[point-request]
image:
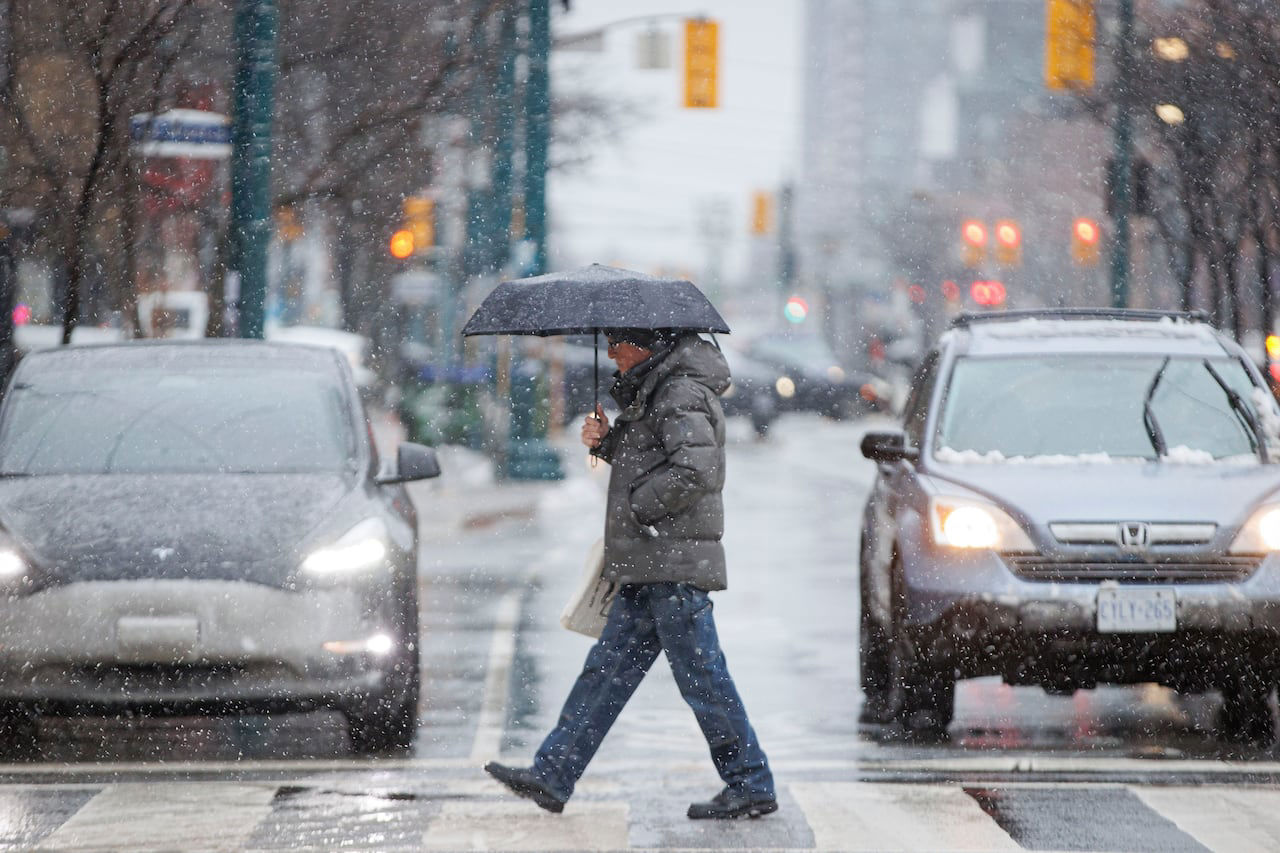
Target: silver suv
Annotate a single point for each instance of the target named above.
(1077, 498)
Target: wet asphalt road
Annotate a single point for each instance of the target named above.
(1019, 767)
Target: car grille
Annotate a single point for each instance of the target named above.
(1219, 570)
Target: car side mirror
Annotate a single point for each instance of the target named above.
(888, 447)
(413, 462)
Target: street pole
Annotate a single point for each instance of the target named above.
(1122, 163)
(529, 456)
(537, 133)
(253, 111)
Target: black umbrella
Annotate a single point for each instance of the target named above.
(591, 300)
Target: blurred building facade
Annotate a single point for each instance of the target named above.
(920, 115)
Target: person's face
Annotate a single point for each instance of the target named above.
(627, 355)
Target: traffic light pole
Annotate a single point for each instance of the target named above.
(1122, 169)
(253, 112)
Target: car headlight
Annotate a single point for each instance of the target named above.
(786, 387)
(12, 566)
(362, 547)
(966, 523)
(1261, 533)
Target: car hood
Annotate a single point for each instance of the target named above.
(121, 527)
(1223, 494)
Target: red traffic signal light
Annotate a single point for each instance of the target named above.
(987, 293)
(974, 233)
(1008, 234)
(1008, 243)
(1085, 249)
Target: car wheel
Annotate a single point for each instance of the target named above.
(923, 695)
(873, 653)
(922, 691)
(1245, 717)
(385, 722)
(19, 733)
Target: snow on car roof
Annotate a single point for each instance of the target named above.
(1035, 335)
(223, 351)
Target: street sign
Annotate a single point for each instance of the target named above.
(193, 134)
(701, 63)
(1069, 36)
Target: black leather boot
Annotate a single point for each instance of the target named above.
(729, 804)
(522, 781)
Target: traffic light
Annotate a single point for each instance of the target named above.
(420, 221)
(701, 63)
(1008, 243)
(401, 245)
(1086, 250)
(1273, 360)
(1069, 44)
(761, 214)
(796, 310)
(974, 234)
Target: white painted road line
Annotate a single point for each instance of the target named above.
(165, 816)
(522, 826)
(497, 682)
(893, 817)
(1240, 820)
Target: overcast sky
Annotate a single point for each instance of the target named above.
(637, 203)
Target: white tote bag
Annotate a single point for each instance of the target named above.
(588, 607)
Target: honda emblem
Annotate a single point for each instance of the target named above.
(1135, 535)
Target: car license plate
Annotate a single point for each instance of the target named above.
(1131, 610)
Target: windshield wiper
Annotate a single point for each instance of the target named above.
(1149, 415)
(1242, 411)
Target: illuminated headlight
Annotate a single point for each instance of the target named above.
(1261, 533)
(786, 387)
(964, 523)
(12, 565)
(362, 547)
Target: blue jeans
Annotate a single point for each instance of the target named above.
(644, 620)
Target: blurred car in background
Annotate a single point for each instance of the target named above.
(354, 348)
(204, 526)
(808, 377)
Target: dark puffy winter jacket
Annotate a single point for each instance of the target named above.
(666, 516)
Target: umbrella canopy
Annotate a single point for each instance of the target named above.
(593, 299)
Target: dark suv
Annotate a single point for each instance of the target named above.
(1077, 498)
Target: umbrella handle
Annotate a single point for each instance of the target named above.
(595, 383)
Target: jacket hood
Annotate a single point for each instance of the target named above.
(691, 357)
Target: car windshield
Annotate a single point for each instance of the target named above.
(1101, 406)
(807, 352)
(144, 421)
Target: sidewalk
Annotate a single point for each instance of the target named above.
(466, 496)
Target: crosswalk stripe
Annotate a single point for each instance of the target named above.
(522, 826)
(1240, 820)
(892, 817)
(165, 816)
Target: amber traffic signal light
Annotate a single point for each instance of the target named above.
(701, 63)
(1008, 243)
(1086, 250)
(401, 245)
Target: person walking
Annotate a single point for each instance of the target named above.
(663, 526)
